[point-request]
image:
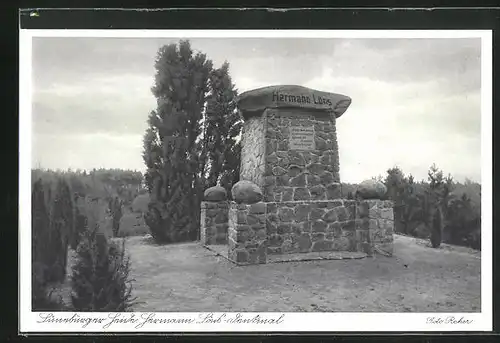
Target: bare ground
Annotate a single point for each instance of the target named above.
(187, 277)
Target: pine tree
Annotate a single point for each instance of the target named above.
(100, 278)
(80, 222)
(395, 183)
(436, 231)
(440, 194)
(171, 143)
(152, 154)
(222, 126)
(61, 229)
(41, 253)
(115, 205)
(231, 169)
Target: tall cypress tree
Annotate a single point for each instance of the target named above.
(62, 228)
(40, 235)
(42, 252)
(115, 205)
(40, 221)
(171, 146)
(80, 223)
(223, 125)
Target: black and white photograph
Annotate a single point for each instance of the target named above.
(246, 179)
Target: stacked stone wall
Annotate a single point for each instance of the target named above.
(293, 175)
(329, 225)
(252, 152)
(247, 238)
(214, 222)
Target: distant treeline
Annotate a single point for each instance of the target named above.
(103, 184)
(415, 202)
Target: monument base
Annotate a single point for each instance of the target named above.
(255, 231)
(330, 225)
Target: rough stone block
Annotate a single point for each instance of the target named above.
(284, 228)
(326, 178)
(241, 217)
(258, 208)
(387, 213)
(363, 209)
(349, 225)
(301, 194)
(335, 203)
(216, 194)
(318, 226)
(287, 194)
(306, 226)
(318, 236)
(286, 214)
(268, 181)
(271, 227)
(367, 248)
(342, 244)
(330, 216)
(333, 191)
(371, 189)
(336, 229)
(316, 168)
(287, 246)
(347, 233)
(298, 181)
(241, 256)
(302, 212)
(246, 192)
(255, 219)
(310, 157)
(323, 245)
(377, 236)
(373, 224)
(317, 192)
(362, 236)
(304, 242)
(342, 214)
(271, 207)
(294, 170)
(283, 180)
(316, 213)
(272, 158)
(313, 180)
(221, 217)
(386, 225)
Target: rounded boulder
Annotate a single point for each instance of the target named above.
(371, 189)
(216, 193)
(246, 192)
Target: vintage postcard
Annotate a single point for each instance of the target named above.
(255, 181)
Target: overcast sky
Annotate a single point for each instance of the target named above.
(414, 101)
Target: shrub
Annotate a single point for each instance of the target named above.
(42, 299)
(132, 224)
(140, 203)
(436, 230)
(100, 279)
(80, 227)
(115, 208)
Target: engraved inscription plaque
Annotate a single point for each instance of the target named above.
(302, 138)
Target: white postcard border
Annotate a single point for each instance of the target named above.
(307, 322)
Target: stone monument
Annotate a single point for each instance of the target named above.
(290, 152)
